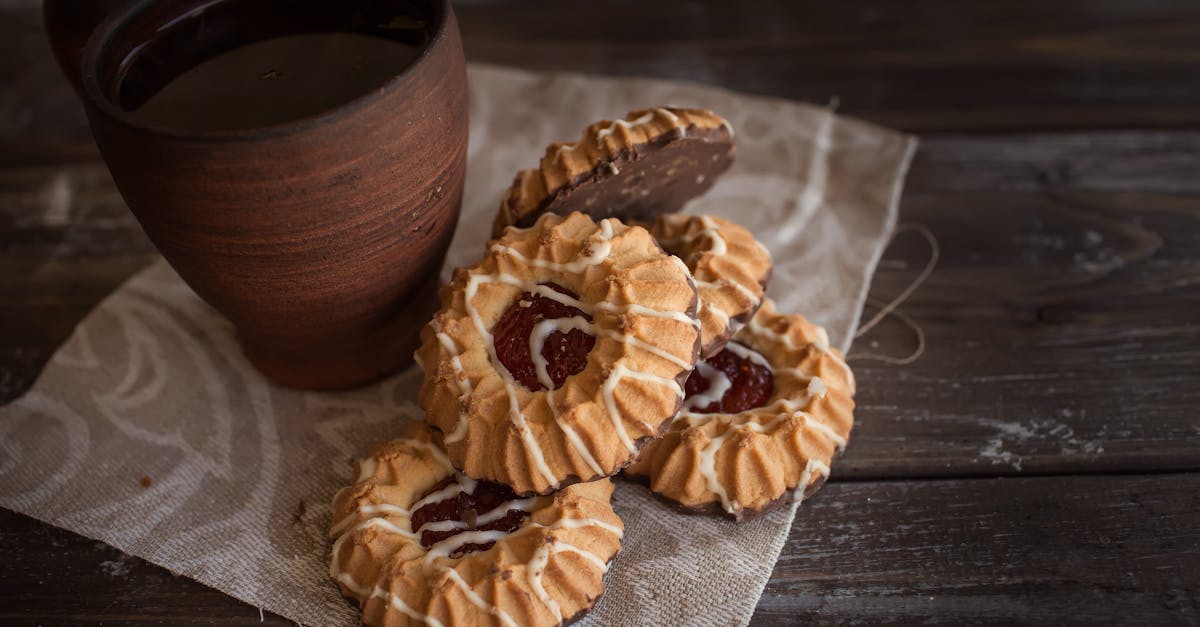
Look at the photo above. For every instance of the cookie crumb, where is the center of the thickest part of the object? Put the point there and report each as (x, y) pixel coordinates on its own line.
(145, 481)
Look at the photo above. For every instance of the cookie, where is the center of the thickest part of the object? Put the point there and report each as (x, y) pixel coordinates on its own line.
(762, 421)
(416, 542)
(652, 161)
(730, 267)
(555, 358)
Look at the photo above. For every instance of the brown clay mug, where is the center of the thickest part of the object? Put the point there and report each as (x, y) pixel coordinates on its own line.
(320, 238)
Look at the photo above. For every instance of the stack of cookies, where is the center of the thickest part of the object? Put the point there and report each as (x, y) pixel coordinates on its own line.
(601, 333)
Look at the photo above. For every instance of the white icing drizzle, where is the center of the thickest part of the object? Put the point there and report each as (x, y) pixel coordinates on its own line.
(541, 558)
(757, 329)
(806, 477)
(536, 566)
(528, 177)
(708, 469)
(628, 125)
(610, 385)
(795, 372)
(579, 523)
(502, 510)
(394, 601)
(642, 310)
(537, 341)
(820, 343)
(642, 344)
(536, 569)
(708, 457)
(822, 340)
(827, 431)
(514, 411)
(718, 385)
(367, 465)
(749, 354)
(599, 247)
(441, 525)
(670, 115)
(387, 526)
(384, 523)
(461, 483)
(366, 468)
(453, 543)
(563, 547)
(782, 408)
(718, 382)
(464, 385)
(364, 511)
(478, 601)
(796, 409)
(577, 442)
(721, 283)
(434, 452)
(816, 388)
(717, 311)
(717, 245)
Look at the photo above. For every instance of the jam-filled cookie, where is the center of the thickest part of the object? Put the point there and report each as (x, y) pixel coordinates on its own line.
(730, 267)
(555, 358)
(762, 421)
(652, 161)
(416, 542)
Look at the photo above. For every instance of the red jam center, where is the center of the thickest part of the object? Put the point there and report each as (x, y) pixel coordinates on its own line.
(750, 382)
(468, 508)
(565, 353)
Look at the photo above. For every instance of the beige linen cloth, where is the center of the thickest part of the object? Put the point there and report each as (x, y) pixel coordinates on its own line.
(152, 384)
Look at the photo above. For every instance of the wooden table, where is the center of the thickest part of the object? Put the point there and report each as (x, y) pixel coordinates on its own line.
(1040, 463)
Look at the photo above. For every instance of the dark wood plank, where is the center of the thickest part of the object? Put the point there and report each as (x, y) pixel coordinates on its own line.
(929, 65)
(1053, 551)
(65, 579)
(1069, 277)
(66, 241)
(1062, 320)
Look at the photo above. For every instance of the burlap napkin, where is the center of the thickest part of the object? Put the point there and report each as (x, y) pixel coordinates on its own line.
(149, 431)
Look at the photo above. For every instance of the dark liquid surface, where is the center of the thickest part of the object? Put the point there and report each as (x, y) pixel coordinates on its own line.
(240, 65)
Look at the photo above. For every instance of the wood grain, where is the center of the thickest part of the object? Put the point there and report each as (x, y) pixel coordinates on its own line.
(926, 65)
(1058, 171)
(1050, 300)
(1061, 320)
(1053, 551)
(1060, 550)
(66, 579)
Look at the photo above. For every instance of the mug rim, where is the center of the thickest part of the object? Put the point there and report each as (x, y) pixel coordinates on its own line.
(112, 25)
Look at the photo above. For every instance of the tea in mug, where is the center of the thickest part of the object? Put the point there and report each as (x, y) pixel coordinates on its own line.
(244, 64)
